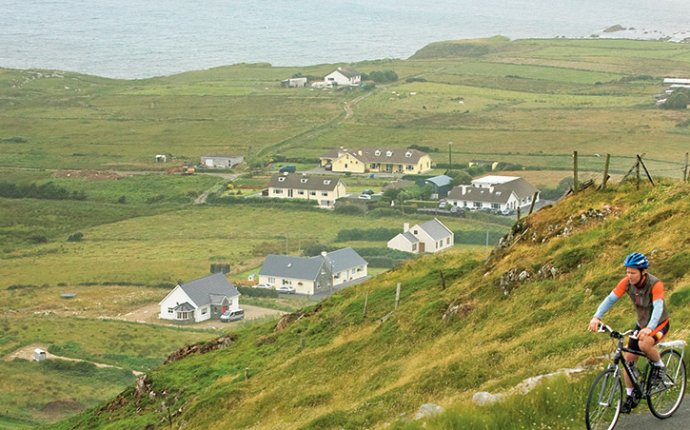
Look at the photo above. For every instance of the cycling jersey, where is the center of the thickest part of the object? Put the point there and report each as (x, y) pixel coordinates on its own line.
(643, 297)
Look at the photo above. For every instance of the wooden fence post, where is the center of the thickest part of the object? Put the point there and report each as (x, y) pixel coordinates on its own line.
(606, 172)
(685, 170)
(575, 182)
(639, 160)
(534, 200)
(397, 296)
(637, 173)
(518, 214)
(443, 280)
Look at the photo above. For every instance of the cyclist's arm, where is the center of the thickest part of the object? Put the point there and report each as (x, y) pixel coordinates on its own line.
(606, 305)
(657, 305)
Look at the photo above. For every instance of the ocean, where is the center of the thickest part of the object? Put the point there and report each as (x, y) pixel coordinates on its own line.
(137, 39)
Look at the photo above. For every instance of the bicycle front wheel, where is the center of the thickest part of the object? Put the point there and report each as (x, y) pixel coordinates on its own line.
(665, 398)
(604, 401)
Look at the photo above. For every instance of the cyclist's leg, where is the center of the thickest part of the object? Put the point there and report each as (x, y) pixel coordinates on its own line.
(648, 344)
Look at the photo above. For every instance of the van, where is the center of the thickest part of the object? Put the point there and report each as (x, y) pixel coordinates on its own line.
(232, 315)
(287, 169)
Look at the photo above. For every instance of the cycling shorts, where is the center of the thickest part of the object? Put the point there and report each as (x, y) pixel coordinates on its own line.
(658, 334)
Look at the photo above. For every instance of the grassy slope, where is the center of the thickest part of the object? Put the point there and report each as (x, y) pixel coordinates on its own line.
(358, 371)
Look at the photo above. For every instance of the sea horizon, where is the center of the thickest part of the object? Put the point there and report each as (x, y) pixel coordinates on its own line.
(126, 39)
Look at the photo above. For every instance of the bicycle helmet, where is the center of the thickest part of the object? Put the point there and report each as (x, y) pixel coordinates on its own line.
(636, 260)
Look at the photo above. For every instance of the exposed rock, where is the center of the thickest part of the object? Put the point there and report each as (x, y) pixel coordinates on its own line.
(288, 319)
(523, 276)
(459, 310)
(509, 280)
(428, 410)
(483, 398)
(200, 348)
(548, 271)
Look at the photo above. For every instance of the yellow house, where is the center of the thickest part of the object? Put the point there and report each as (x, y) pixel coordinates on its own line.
(405, 161)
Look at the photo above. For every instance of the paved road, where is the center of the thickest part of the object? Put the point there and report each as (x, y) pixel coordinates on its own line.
(644, 420)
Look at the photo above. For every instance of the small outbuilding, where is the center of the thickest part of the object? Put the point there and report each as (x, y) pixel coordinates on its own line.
(39, 354)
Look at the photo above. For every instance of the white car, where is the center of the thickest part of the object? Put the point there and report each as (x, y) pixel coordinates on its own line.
(263, 286)
(286, 289)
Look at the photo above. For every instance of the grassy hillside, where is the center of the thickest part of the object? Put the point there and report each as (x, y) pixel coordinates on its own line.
(336, 366)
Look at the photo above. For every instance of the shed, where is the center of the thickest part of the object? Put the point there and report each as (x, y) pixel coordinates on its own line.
(39, 354)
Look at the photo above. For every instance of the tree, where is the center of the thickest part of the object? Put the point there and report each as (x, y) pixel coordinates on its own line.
(677, 100)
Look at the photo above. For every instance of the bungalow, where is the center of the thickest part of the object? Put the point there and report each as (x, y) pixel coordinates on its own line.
(200, 300)
(293, 83)
(406, 161)
(343, 76)
(221, 161)
(431, 236)
(497, 193)
(311, 275)
(323, 189)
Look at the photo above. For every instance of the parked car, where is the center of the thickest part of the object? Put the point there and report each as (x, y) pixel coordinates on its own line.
(368, 191)
(264, 286)
(232, 315)
(285, 289)
(364, 197)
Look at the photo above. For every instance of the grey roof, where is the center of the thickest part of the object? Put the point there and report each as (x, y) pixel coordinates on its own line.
(292, 267)
(388, 156)
(410, 237)
(476, 194)
(440, 180)
(500, 193)
(348, 72)
(344, 258)
(201, 291)
(184, 307)
(303, 182)
(436, 229)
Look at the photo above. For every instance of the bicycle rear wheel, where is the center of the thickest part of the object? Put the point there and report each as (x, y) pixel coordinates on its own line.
(604, 401)
(664, 400)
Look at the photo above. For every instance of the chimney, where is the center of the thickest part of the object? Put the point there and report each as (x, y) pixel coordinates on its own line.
(406, 227)
(359, 152)
(464, 189)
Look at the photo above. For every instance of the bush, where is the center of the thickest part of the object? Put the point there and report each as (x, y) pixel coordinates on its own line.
(677, 100)
(370, 234)
(76, 237)
(314, 249)
(37, 238)
(383, 212)
(257, 292)
(349, 209)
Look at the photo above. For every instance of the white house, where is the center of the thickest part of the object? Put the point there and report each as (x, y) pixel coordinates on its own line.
(200, 300)
(311, 275)
(323, 189)
(294, 83)
(221, 161)
(492, 192)
(343, 76)
(431, 236)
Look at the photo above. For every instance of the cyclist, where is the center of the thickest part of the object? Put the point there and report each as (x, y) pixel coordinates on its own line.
(647, 294)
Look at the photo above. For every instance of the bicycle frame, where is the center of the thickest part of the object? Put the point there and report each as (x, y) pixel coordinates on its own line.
(618, 358)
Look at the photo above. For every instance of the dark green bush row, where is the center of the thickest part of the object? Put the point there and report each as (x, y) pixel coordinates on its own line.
(256, 292)
(47, 191)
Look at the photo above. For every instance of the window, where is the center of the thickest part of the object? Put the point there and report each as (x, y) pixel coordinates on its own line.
(171, 310)
(414, 246)
(477, 205)
(271, 280)
(204, 311)
(301, 193)
(495, 206)
(408, 154)
(448, 241)
(312, 193)
(303, 180)
(277, 191)
(327, 182)
(415, 232)
(281, 179)
(377, 153)
(389, 153)
(324, 194)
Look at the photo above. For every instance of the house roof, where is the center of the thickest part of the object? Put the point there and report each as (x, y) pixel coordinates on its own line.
(440, 181)
(476, 194)
(348, 72)
(201, 291)
(436, 229)
(344, 258)
(292, 267)
(304, 182)
(409, 236)
(389, 156)
(184, 307)
(501, 187)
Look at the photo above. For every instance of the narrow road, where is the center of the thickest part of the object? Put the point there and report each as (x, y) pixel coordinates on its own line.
(644, 420)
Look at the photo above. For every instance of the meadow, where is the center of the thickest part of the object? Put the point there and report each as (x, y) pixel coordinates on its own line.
(530, 103)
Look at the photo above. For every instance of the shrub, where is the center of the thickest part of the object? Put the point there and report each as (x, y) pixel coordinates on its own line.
(368, 234)
(349, 209)
(76, 237)
(257, 292)
(37, 238)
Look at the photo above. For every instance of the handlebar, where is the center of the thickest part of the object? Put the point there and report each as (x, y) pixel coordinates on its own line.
(603, 328)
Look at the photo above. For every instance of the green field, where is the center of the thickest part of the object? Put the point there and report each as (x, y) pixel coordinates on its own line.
(129, 228)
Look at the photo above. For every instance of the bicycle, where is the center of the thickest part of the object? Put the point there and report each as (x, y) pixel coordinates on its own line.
(606, 393)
